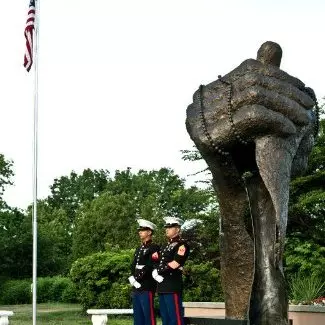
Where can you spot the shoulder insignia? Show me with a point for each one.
(181, 250)
(155, 256)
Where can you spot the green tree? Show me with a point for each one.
(71, 192)
(15, 243)
(305, 249)
(101, 279)
(6, 174)
(55, 240)
(109, 220)
(56, 218)
(307, 201)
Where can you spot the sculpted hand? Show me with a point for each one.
(255, 99)
(255, 119)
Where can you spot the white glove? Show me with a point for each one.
(154, 273)
(159, 278)
(134, 282)
(156, 276)
(131, 279)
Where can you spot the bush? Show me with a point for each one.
(202, 282)
(119, 296)
(101, 279)
(305, 289)
(56, 289)
(16, 292)
(69, 294)
(44, 289)
(305, 258)
(62, 290)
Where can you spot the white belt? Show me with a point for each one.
(139, 267)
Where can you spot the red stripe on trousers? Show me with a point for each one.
(152, 315)
(178, 314)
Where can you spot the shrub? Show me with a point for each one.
(305, 289)
(15, 292)
(56, 289)
(119, 296)
(202, 282)
(62, 290)
(304, 257)
(69, 294)
(44, 289)
(101, 279)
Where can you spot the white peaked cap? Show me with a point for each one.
(169, 221)
(146, 224)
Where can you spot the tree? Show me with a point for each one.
(307, 202)
(70, 192)
(305, 249)
(15, 243)
(6, 173)
(109, 220)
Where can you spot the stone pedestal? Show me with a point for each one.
(4, 317)
(213, 321)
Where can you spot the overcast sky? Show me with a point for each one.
(116, 76)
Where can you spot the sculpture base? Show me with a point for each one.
(216, 321)
(213, 321)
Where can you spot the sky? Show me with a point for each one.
(115, 77)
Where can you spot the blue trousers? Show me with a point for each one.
(143, 308)
(171, 308)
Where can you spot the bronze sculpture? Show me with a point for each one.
(255, 129)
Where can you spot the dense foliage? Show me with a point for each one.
(87, 230)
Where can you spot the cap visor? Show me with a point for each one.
(171, 225)
(144, 228)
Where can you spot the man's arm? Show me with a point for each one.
(152, 260)
(180, 257)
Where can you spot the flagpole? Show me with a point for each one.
(35, 159)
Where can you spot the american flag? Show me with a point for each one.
(29, 30)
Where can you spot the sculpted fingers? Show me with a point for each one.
(257, 98)
(274, 101)
(270, 83)
(247, 124)
(250, 122)
(259, 68)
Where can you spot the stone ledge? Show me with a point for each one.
(110, 311)
(307, 308)
(221, 305)
(214, 305)
(6, 313)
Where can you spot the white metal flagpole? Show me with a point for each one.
(35, 159)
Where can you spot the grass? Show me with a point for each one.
(58, 314)
(304, 289)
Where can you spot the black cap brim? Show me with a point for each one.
(171, 225)
(144, 228)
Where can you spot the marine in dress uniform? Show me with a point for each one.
(144, 286)
(168, 274)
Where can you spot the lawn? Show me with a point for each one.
(58, 314)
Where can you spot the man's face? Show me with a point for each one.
(145, 234)
(172, 232)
